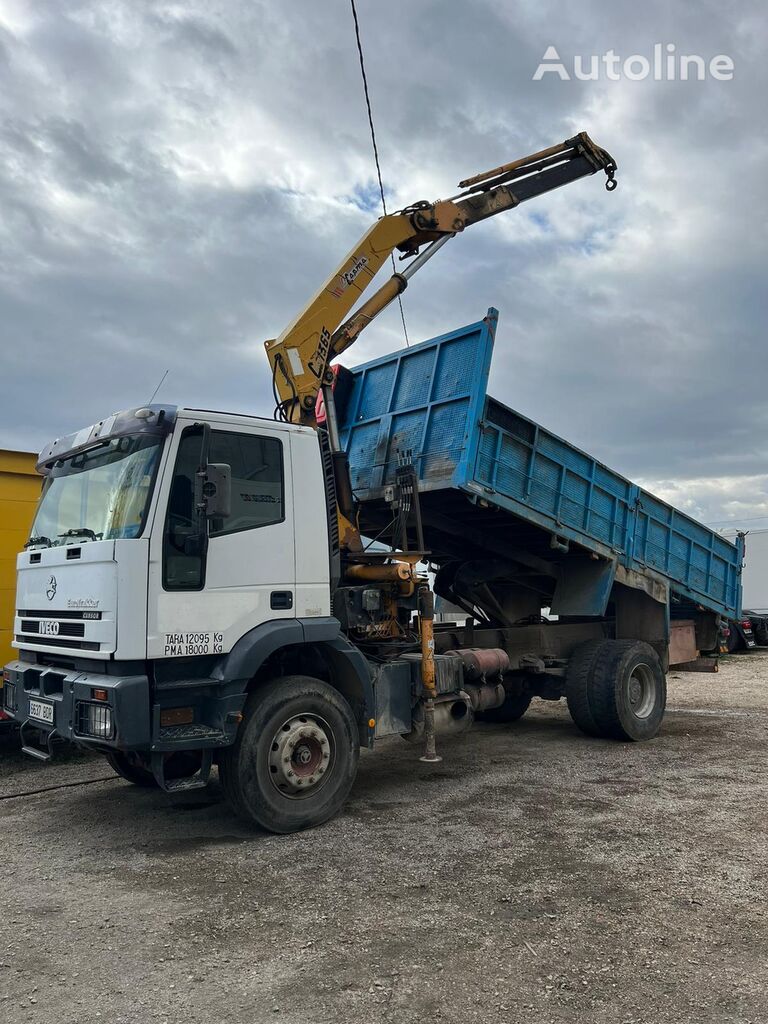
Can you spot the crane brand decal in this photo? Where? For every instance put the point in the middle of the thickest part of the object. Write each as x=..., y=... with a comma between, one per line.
x=178, y=644
x=348, y=276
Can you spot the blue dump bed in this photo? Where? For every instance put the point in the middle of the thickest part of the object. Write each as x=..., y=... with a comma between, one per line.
x=490, y=476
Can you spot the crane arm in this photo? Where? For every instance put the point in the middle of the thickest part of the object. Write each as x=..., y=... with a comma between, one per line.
x=300, y=357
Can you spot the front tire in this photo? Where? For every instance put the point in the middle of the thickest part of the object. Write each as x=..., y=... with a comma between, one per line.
x=177, y=766
x=130, y=771
x=295, y=755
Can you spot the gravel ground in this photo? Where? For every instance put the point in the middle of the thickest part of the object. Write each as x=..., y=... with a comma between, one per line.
x=533, y=876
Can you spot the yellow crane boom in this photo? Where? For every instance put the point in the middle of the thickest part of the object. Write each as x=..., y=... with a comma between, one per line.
x=300, y=357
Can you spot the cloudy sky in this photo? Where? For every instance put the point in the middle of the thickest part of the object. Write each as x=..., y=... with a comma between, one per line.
x=177, y=178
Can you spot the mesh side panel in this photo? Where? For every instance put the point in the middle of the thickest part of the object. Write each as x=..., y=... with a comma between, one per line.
x=405, y=435
x=510, y=421
x=444, y=441
x=374, y=400
x=512, y=467
x=562, y=453
x=362, y=454
x=450, y=376
x=414, y=380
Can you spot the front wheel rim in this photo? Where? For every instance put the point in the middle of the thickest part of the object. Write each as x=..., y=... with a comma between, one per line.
x=642, y=690
x=301, y=756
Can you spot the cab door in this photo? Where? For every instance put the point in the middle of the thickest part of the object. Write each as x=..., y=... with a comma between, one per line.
x=212, y=582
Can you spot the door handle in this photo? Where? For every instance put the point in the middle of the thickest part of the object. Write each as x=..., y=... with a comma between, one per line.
x=279, y=600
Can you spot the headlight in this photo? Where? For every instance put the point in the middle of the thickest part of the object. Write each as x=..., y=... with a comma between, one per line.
x=94, y=720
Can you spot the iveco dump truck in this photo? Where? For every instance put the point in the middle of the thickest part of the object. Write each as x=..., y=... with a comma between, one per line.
x=205, y=588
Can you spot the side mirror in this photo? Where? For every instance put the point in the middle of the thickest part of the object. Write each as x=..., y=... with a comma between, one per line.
x=214, y=490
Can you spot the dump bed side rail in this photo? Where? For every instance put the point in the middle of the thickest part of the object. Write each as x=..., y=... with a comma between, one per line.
x=538, y=476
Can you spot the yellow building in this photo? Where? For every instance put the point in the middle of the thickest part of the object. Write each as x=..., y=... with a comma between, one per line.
x=19, y=490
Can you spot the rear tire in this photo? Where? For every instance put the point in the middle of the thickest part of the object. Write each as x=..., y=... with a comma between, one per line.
x=129, y=771
x=295, y=755
x=621, y=694
x=578, y=685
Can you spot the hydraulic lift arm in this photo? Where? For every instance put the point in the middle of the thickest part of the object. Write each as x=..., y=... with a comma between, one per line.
x=300, y=357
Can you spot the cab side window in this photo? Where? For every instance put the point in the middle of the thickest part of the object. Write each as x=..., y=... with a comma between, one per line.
x=258, y=499
x=257, y=480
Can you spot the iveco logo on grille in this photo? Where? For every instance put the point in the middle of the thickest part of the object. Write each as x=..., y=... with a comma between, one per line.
x=52, y=586
x=49, y=628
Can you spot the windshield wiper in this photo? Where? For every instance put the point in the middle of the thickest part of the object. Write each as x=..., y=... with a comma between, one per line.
x=33, y=541
x=81, y=531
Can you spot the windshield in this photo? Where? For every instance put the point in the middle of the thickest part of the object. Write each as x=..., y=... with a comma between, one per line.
x=100, y=494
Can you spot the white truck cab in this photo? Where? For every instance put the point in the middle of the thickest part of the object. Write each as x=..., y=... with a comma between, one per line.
x=118, y=527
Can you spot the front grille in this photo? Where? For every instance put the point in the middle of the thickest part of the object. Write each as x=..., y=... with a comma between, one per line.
x=54, y=641
x=58, y=613
x=10, y=703
x=92, y=718
x=65, y=628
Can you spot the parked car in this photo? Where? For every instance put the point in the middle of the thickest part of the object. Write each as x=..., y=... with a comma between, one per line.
x=759, y=627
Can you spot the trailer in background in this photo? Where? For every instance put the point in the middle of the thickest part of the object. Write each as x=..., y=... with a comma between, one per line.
x=19, y=490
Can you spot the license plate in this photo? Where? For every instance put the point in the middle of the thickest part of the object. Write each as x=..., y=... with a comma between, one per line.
x=42, y=710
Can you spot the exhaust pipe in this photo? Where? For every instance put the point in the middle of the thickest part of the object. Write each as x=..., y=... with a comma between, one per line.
x=453, y=716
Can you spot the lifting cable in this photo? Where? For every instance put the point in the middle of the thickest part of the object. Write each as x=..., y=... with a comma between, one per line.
x=375, y=150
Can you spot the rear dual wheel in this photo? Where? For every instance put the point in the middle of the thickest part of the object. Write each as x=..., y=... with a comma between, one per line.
x=295, y=756
x=616, y=689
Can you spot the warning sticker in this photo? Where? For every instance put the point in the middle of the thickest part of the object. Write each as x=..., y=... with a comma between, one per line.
x=182, y=644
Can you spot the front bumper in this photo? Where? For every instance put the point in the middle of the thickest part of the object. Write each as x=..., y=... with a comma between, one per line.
x=121, y=721
x=129, y=719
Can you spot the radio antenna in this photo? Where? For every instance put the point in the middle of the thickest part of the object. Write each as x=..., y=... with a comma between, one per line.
x=158, y=387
